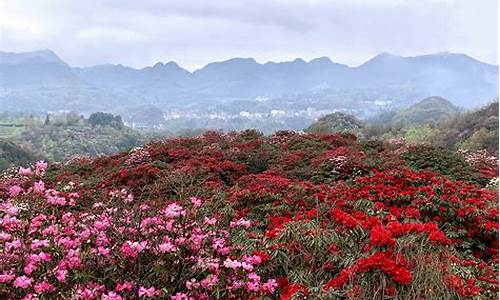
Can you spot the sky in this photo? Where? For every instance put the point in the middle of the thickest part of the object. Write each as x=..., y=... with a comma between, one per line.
x=196, y=32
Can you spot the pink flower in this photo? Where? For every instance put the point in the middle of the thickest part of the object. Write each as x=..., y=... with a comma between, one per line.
x=24, y=171
x=45, y=256
x=240, y=223
x=124, y=286
x=23, y=282
x=232, y=264
x=173, y=210
x=253, y=260
x=247, y=266
x=129, y=198
x=29, y=268
x=111, y=296
x=11, y=210
x=43, y=287
x=167, y=247
x=196, y=202
x=253, y=286
x=39, y=187
x=192, y=284
x=36, y=243
x=61, y=275
x=180, y=296
x=210, y=221
x=16, y=244
x=40, y=167
x=210, y=281
x=29, y=297
x=270, y=286
x=15, y=190
x=6, y=277
x=149, y=293
x=132, y=249
x=254, y=277
x=55, y=199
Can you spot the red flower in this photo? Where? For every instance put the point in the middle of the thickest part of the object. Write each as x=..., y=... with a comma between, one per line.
x=288, y=290
x=264, y=256
x=379, y=236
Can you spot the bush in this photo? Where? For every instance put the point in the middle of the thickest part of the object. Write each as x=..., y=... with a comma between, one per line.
x=328, y=218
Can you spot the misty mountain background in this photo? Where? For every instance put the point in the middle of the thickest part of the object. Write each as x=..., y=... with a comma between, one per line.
x=241, y=92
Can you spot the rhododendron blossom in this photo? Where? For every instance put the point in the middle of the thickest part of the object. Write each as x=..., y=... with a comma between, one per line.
x=249, y=216
x=40, y=168
x=25, y=171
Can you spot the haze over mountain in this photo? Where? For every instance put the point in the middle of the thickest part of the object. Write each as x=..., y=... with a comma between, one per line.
x=41, y=81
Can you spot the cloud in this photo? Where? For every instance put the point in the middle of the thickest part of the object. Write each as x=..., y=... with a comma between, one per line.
x=194, y=32
x=97, y=33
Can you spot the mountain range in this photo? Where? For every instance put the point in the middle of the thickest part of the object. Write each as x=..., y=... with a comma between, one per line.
x=41, y=81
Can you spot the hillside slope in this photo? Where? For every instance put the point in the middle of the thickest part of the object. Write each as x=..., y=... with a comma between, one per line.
x=12, y=155
x=473, y=130
x=430, y=110
x=246, y=216
x=336, y=122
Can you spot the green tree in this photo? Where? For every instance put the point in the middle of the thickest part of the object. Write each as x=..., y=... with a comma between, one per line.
x=105, y=119
x=420, y=135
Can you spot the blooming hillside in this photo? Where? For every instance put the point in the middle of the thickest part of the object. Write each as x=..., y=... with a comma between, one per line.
x=246, y=216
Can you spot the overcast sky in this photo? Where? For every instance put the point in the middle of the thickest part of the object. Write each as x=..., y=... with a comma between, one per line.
x=194, y=32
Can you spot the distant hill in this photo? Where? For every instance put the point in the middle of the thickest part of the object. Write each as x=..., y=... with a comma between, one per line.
x=63, y=138
x=430, y=110
x=336, y=122
x=146, y=115
x=41, y=81
x=35, y=69
x=436, y=121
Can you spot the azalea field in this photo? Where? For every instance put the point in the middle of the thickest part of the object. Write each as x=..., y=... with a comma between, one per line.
x=247, y=216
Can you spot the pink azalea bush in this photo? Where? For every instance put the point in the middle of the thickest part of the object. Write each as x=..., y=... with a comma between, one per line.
x=121, y=249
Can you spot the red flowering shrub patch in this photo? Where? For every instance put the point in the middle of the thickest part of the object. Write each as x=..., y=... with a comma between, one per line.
x=245, y=216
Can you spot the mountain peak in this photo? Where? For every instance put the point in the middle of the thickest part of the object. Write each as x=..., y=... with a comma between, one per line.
x=299, y=60
x=242, y=60
x=43, y=56
x=382, y=59
x=158, y=65
x=434, y=100
x=321, y=60
x=386, y=56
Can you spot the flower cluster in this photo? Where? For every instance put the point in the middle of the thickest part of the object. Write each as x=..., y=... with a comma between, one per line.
x=64, y=251
x=247, y=216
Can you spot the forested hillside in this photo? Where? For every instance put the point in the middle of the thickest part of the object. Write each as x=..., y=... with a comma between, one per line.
x=59, y=138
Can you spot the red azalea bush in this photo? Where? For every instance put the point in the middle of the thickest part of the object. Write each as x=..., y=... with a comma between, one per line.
x=245, y=216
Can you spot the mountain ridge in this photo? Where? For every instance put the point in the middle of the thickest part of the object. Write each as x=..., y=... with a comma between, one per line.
x=324, y=59
x=39, y=80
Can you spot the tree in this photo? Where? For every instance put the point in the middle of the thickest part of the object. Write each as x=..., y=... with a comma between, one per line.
x=419, y=135
x=72, y=118
x=105, y=119
x=47, y=120
x=481, y=139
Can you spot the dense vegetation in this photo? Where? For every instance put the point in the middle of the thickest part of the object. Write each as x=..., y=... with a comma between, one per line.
x=11, y=155
x=472, y=131
x=432, y=121
x=336, y=122
x=430, y=110
x=59, y=138
x=248, y=216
